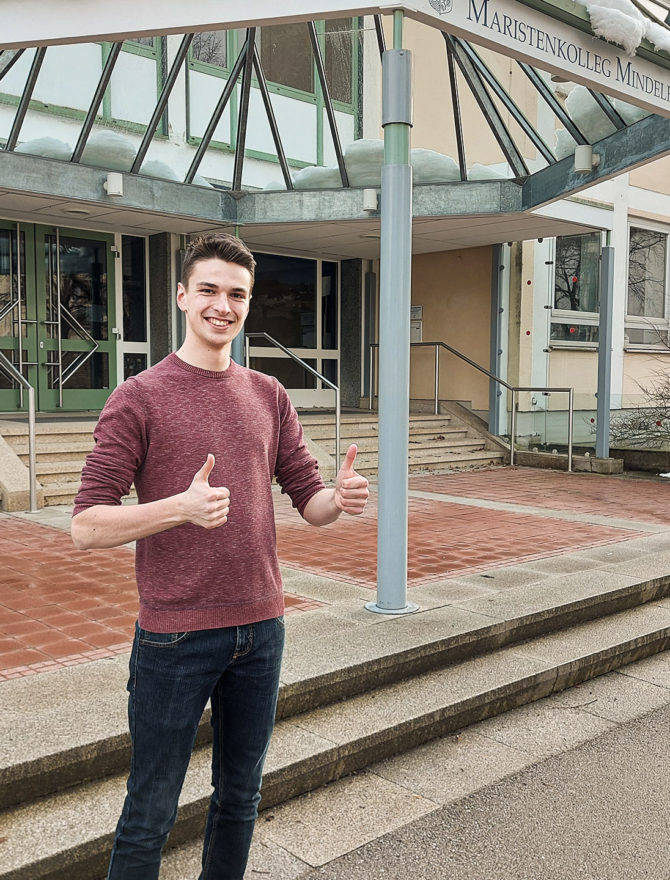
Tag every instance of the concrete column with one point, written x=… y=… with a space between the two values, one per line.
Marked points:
x=350 y=332
x=162 y=288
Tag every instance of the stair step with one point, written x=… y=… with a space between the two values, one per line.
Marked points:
x=57 y=450
x=74 y=828
x=62 y=492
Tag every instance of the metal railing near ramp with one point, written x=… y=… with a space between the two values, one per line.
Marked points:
x=10 y=370
x=514 y=389
x=306 y=366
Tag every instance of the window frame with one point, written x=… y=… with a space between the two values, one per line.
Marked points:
x=642 y=322
x=569 y=316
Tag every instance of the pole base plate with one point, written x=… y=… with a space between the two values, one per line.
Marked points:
x=410 y=608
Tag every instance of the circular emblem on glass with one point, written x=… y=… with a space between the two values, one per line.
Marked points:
x=441 y=6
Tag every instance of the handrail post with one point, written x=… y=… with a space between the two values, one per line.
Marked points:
x=571 y=412
x=437 y=379
x=32 y=451
x=512 y=428
x=337 y=428
x=247 y=352
x=372 y=383
x=13 y=373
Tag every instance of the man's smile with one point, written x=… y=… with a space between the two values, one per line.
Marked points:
x=218 y=322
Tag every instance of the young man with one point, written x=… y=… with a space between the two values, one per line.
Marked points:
x=202 y=438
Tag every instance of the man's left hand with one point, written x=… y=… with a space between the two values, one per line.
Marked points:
x=351 y=489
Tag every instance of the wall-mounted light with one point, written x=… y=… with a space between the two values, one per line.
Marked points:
x=585 y=159
x=370 y=202
x=113 y=185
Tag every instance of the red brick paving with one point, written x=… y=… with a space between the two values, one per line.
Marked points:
x=620 y=497
x=60 y=607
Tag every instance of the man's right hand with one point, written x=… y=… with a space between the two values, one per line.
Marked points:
x=202 y=504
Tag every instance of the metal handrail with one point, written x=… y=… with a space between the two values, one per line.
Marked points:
x=13 y=373
x=515 y=389
x=309 y=369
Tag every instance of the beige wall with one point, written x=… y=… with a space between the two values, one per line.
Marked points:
x=454 y=288
x=574 y=369
x=641 y=372
x=654 y=176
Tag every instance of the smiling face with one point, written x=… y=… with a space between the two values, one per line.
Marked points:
x=215 y=303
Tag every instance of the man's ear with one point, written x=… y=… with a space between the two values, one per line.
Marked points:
x=181 y=296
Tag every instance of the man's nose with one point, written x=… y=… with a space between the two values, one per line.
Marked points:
x=221 y=303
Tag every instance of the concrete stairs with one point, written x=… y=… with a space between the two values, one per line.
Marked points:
x=436 y=443
x=384 y=686
x=62 y=447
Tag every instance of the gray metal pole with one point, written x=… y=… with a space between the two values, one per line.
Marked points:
x=605 y=353
x=394 y=330
x=32 y=453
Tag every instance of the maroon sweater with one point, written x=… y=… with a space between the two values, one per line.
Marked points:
x=156 y=430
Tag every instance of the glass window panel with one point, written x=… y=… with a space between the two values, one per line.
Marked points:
x=574 y=332
x=133 y=264
x=576 y=272
x=92 y=373
x=646 y=273
x=648 y=336
x=329 y=370
x=6 y=382
x=338 y=58
x=284 y=300
x=9 y=284
x=142 y=41
x=289 y=373
x=286 y=54
x=210 y=47
x=329 y=305
x=83 y=287
x=133 y=364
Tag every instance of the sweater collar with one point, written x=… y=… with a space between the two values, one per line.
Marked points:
x=205 y=374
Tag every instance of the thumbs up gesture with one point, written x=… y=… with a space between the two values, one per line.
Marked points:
x=351 y=489
x=205 y=505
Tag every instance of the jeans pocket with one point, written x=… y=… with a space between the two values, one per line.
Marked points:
x=161 y=640
x=280 y=620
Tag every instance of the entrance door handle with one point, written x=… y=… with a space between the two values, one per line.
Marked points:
x=116 y=332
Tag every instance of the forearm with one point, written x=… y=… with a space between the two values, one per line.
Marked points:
x=103 y=525
x=321 y=508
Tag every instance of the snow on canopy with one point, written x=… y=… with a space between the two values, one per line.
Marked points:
x=623 y=23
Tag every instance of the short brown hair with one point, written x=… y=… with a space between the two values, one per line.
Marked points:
x=217 y=245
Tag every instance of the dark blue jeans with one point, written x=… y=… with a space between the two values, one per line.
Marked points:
x=172 y=676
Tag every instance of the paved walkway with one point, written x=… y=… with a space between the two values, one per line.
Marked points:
x=60 y=606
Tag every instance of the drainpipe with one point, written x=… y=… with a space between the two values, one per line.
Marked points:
x=394 y=328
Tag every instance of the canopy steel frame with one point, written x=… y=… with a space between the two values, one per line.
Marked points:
x=486 y=74
x=24 y=102
x=489 y=109
x=608 y=109
x=456 y=109
x=330 y=111
x=221 y=105
x=379 y=31
x=243 y=115
x=552 y=102
x=103 y=82
x=12 y=61
x=162 y=103
x=272 y=121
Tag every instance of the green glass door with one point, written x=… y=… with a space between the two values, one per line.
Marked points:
x=56 y=313
x=76 y=349
x=18 y=323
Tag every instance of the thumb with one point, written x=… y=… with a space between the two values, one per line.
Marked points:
x=348 y=464
x=206 y=469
